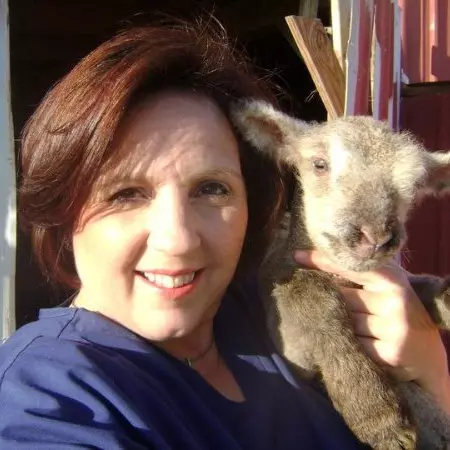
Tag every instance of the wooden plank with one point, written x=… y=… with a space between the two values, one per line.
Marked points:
x=340 y=23
x=417 y=89
x=317 y=51
x=7 y=186
x=358 y=58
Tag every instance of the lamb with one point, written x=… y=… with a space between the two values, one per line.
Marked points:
x=356 y=182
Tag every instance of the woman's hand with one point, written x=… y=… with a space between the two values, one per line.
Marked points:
x=392 y=324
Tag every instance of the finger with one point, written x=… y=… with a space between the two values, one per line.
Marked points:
x=385 y=305
x=388 y=276
x=369 y=325
x=382 y=353
x=370 y=346
x=361 y=301
x=318 y=260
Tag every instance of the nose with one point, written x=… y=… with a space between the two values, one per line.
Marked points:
x=172 y=226
x=377 y=239
x=372 y=241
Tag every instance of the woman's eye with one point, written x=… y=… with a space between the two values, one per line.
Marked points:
x=213 y=189
x=127 y=195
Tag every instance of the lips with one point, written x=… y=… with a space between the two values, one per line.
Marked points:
x=172 y=284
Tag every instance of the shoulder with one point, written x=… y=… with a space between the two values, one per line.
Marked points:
x=47 y=358
x=60 y=390
x=67 y=345
x=35 y=338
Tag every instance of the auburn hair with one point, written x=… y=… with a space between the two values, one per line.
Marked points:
x=68 y=139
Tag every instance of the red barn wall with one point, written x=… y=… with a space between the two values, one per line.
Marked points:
x=426 y=59
x=428 y=247
x=425 y=40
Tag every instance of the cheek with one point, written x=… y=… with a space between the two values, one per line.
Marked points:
x=227 y=231
x=318 y=210
x=87 y=251
x=102 y=246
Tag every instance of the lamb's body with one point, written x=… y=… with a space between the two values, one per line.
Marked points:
x=309 y=323
x=357 y=180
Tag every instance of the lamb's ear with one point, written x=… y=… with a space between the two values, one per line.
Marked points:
x=438 y=172
x=268 y=129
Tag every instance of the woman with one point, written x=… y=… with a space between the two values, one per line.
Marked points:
x=140 y=195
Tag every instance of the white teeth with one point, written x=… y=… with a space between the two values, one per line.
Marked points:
x=166 y=281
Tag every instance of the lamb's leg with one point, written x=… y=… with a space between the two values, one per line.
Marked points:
x=312 y=313
x=433 y=424
x=434 y=292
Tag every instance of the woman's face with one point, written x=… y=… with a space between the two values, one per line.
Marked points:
x=160 y=238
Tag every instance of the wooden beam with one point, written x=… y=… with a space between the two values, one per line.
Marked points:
x=7 y=187
x=424 y=89
x=317 y=51
x=340 y=23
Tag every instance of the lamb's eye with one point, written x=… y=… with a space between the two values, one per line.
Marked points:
x=320 y=165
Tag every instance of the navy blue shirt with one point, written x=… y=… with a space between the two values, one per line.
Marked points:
x=75 y=379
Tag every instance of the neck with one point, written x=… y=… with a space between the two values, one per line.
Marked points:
x=191 y=361
x=199 y=348
x=196 y=349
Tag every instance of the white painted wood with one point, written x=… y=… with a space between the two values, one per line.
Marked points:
x=7 y=186
x=352 y=59
x=397 y=70
x=386 y=62
x=362 y=11
x=340 y=21
x=375 y=78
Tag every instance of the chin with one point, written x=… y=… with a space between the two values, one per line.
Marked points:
x=162 y=334
x=160 y=328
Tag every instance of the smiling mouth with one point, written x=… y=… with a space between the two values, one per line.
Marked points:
x=167 y=281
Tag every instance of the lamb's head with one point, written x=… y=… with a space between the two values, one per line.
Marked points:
x=359 y=178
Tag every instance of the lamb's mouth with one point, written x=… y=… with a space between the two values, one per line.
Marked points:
x=346 y=257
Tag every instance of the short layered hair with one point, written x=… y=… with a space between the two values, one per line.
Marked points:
x=67 y=140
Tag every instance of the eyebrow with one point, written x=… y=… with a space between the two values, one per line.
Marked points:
x=218 y=172
x=117 y=182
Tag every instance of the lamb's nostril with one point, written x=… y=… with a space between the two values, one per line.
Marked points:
x=375 y=239
x=384 y=241
x=367 y=235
